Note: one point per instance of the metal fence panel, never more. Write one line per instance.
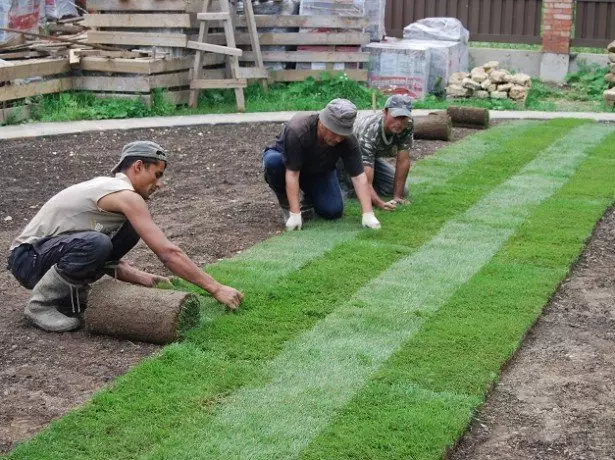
(594, 23)
(511, 21)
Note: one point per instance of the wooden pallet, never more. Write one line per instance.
(132, 23)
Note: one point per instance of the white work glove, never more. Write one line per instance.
(370, 221)
(294, 221)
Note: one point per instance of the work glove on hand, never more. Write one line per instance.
(294, 221)
(370, 221)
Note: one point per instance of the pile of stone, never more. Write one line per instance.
(489, 82)
(609, 94)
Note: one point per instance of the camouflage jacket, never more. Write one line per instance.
(374, 144)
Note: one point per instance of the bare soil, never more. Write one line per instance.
(554, 396)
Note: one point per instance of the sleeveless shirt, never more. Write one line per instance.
(75, 209)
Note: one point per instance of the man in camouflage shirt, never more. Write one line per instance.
(385, 134)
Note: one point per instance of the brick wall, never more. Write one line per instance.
(557, 16)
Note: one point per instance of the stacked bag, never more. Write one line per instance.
(432, 49)
(609, 94)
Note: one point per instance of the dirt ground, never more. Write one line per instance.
(553, 401)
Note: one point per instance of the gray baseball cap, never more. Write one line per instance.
(399, 105)
(339, 116)
(142, 149)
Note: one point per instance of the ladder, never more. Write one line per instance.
(238, 75)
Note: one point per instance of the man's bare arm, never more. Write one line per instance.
(361, 187)
(376, 200)
(134, 208)
(292, 191)
(402, 168)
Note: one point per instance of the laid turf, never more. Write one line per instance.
(362, 344)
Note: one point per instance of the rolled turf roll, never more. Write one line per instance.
(435, 126)
(140, 313)
(469, 117)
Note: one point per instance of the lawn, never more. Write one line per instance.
(360, 344)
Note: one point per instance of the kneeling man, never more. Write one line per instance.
(303, 158)
(84, 231)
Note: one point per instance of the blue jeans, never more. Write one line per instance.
(323, 190)
(80, 257)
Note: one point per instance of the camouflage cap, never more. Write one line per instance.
(339, 116)
(399, 105)
(141, 149)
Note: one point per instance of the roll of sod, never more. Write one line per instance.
(469, 117)
(611, 47)
(435, 126)
(139, 313)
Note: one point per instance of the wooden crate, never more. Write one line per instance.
(22, 79)
(170, 24)
(129, 24)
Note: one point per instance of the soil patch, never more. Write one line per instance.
(555, 398)
(215, 204)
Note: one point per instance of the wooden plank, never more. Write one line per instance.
(252, 73)
(219, 16)
(170, 80)
(134, 84)
(255, 46)
(34, 68)
(218, 83)
(21, 55)
(102, 64)
(197, 66)
(17, 113)
(145, 66)
(301, 75)
(137, 38)
(321, 22)
(145, 98)
(11, 92)
(309, 56)
(189, 6)
(177, 97)
(137, 5)
(297, 38)
(220, 49)
(136, 20)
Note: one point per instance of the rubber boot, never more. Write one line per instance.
(47, 297)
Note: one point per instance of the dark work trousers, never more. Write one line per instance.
(322, 189)
(383, 181)
(80, 257)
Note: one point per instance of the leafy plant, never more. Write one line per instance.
(588, 83)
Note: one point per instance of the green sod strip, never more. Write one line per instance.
(318, 372)
(439, 169)
(462, 347)
(264, 264)
(175, 390)
(413, 225)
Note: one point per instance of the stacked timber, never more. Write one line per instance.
(133, 47)
(20, 80)
(609, 94)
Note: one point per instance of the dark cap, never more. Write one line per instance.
(142, 149)
(399, 105)
(338, 116)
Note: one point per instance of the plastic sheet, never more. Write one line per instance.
(441, 29)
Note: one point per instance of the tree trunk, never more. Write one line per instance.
(435, 126)
(140, 313)
(469, 117)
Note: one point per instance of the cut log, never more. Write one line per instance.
(469, 117)
(139, 313)
(435, 126)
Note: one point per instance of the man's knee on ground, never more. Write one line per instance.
(330, 212)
